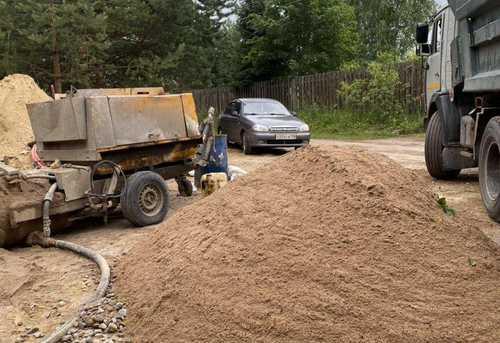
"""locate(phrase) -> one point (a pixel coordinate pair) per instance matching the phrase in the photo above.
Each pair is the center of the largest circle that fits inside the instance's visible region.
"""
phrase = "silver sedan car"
(254, 123)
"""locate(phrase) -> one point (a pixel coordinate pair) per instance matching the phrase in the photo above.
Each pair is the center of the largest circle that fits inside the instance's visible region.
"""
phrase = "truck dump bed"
(476, 50)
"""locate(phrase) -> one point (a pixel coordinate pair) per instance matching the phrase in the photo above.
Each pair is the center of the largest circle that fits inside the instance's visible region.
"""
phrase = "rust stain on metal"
(158, 142)
(178, 152)
(190, 115)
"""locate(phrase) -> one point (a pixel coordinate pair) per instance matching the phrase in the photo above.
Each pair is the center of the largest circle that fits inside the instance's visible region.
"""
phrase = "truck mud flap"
(450, 118)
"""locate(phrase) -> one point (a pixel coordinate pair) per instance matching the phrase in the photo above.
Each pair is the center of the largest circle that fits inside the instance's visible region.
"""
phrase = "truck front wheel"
(434, 145)
(489, 168)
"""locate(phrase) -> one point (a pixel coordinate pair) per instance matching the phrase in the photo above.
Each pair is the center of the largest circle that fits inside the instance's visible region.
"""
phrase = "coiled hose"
(48, 242)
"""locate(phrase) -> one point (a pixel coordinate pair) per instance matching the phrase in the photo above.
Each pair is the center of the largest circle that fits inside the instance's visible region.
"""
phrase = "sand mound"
(18, 194)
(15, 129)
(321, 246)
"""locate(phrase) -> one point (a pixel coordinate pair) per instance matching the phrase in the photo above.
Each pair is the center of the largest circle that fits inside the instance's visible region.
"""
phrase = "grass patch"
(341, 124)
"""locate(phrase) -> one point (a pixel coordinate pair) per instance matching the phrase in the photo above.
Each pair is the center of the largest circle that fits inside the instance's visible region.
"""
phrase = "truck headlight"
(260, 128)
(304, 128)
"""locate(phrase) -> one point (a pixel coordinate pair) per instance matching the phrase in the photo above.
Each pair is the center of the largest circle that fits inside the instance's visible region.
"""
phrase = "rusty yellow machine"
(100, 151)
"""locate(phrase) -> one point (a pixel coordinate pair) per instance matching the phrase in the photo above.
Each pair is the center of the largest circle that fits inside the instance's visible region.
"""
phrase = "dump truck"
(101, 151)
(461, 50)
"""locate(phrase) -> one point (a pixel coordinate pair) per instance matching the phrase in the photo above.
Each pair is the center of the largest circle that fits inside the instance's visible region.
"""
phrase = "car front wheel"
(247, 148)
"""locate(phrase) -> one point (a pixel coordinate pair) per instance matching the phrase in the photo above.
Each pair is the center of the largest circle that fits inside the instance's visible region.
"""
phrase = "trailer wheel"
(434, 145)
(489, 168)
(145, 200)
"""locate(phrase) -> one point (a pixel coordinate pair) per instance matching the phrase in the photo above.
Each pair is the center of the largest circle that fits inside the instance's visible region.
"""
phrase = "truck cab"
(460, 48)
(445, 157)
(438, 65)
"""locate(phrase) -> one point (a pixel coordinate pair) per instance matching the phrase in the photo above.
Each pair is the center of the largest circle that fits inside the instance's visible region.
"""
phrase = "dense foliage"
(184, 44)
(377, 93)
(370, 107)
(289, 37)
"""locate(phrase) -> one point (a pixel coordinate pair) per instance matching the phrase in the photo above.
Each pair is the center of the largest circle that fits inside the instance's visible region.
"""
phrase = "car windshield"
(265, 108)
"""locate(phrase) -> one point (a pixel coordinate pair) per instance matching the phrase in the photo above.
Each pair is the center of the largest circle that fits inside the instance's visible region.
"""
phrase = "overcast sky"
(441, 2)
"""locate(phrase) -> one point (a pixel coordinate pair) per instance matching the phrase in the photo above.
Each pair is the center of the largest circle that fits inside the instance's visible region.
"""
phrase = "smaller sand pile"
(18, 194)
(321, 246)
(15, 129)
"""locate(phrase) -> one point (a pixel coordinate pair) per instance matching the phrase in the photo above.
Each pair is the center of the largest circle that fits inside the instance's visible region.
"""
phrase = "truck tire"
(247, 148)
(489, 168)
(434, 145)
(145, 199)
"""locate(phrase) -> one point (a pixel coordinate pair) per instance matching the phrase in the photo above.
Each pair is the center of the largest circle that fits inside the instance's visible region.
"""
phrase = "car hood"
(269, 121)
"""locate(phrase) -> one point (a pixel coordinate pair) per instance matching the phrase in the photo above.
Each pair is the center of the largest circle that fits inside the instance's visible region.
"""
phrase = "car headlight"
(304, 128)
(260, 128)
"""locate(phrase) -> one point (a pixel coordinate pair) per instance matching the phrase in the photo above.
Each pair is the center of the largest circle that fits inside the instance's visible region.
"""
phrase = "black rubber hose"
(47, 201)
(47, 242)
(101, 289)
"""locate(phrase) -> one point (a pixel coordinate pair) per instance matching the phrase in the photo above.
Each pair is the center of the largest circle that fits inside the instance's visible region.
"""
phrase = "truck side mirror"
(235, 114)
(422, 33)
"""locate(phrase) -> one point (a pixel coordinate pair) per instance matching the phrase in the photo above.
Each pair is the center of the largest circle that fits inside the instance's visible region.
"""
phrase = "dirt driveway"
(42, 288)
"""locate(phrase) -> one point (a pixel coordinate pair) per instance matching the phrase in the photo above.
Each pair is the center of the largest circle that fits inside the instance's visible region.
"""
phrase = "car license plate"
(286, 136)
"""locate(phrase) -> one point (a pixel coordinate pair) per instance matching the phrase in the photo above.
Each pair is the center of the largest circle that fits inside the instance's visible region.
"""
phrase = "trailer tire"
(489, 168)
(434, 145)
(145, 200)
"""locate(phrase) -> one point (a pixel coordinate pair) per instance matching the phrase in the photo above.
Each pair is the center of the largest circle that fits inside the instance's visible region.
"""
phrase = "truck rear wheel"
(489, 168)
(434, 145)
(145, 200)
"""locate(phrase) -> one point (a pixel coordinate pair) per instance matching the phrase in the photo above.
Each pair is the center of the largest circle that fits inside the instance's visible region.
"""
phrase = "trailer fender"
(441, 105)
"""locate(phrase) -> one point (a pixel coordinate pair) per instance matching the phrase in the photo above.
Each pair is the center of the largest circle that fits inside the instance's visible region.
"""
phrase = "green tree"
(164, 42)
(220, 37)
(179, 44)
(389, 25)
(57, 42)
(289, 37)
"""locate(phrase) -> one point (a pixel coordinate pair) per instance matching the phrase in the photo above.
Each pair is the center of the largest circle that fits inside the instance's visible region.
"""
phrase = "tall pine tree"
(290, 37)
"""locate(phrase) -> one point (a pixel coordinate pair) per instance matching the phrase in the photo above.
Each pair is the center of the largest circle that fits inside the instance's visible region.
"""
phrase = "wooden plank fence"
(319, 90)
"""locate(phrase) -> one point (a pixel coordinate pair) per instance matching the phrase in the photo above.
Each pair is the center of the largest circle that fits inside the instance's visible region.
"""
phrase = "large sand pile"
(322, 246)
(15, 129)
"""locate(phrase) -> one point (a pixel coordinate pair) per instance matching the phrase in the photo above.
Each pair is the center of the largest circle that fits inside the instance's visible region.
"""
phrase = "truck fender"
(442, 105)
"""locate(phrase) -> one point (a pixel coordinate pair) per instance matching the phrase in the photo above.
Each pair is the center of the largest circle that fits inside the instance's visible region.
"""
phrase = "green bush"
(369, 108)
(375, 96)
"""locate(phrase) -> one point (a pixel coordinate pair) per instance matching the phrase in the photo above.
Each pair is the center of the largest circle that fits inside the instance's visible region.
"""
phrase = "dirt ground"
(46, 286)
